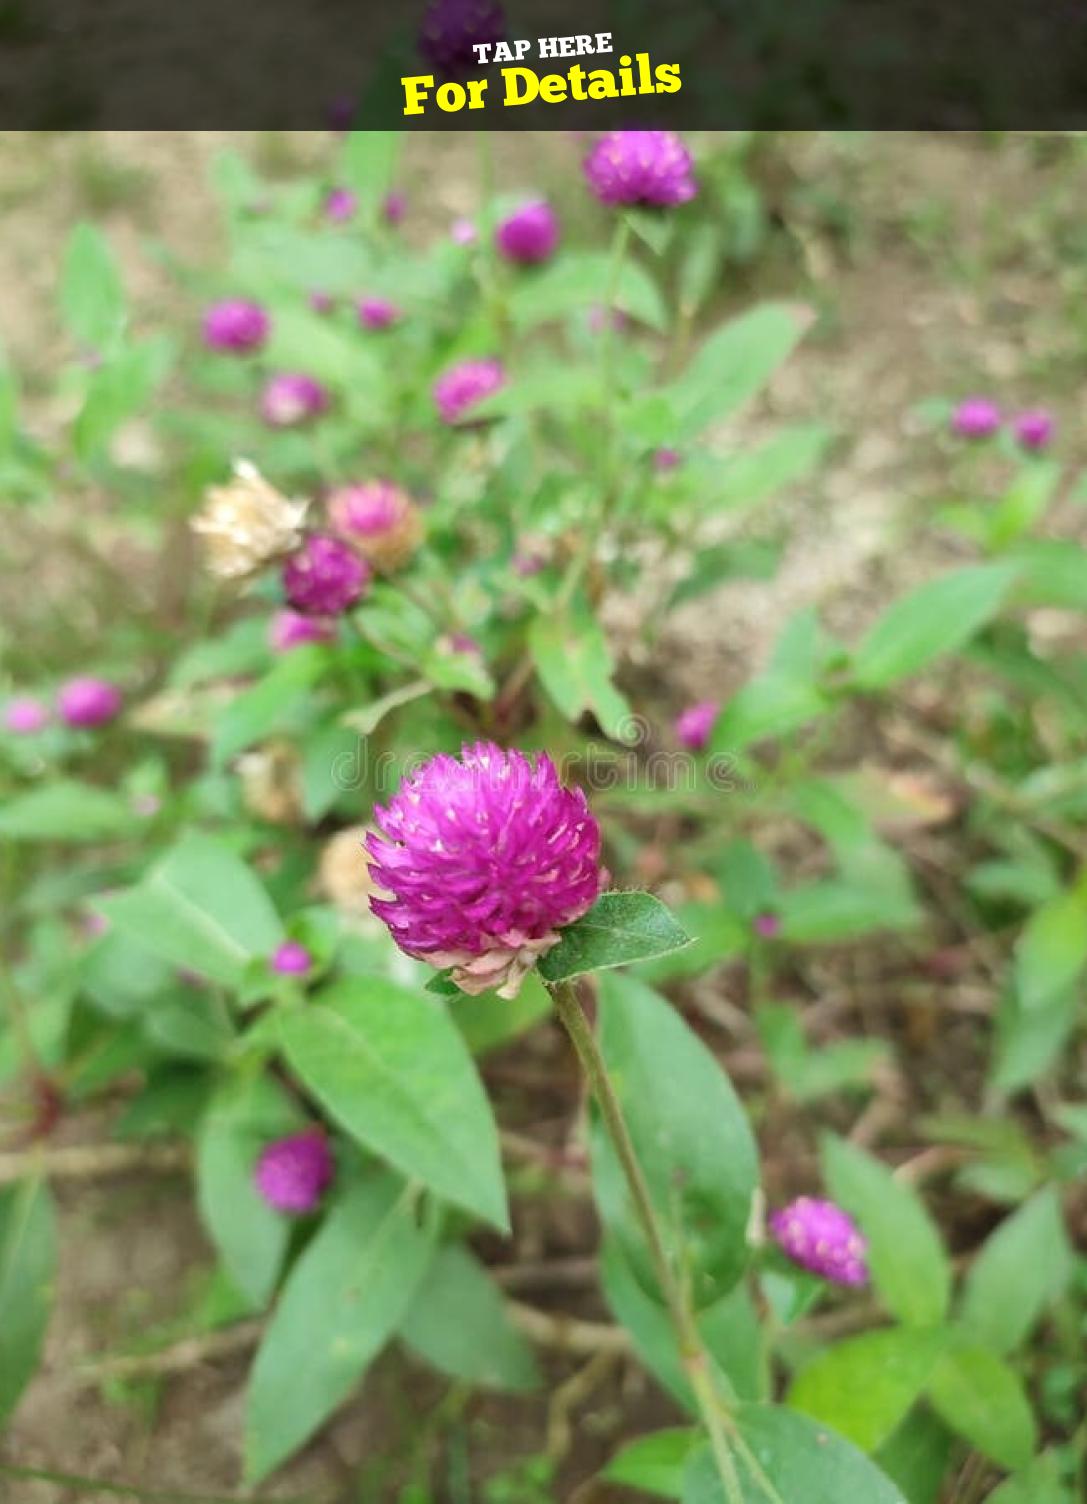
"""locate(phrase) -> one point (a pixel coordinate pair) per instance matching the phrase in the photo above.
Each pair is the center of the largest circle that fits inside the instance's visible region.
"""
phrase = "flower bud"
(88, 702)
(822, 1238)
(325, 577)
(462, 386)
(341, 205)
(1033, 430)
(293, 1173)
(25, 715)
(694, 726)
(291, 959)
(976, 418)
(290, 629)
(652, 168)
(292, 398)
(236, 326)
(377, 313)
(379, 520)
(529, 235)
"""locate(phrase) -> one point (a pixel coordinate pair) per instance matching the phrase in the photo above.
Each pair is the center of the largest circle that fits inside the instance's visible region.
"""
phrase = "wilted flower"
(291, 959)
(246, 524)
(463, 232)
(377, 313)
(340, 205)
(530, 234)
(694, 726)
(236, 325)
(325, 577)
(292, 1173)
(344, 873)
(271, 783)
(767, 926)
(484, 859)
(25, 715)
(641, 167)
(451, 28)
(291, 398)
(458, 389)
(394, 207)
(88, 702)
(1034, 429)
(823, 1239)
(976, 418)
(380, 521)
(290, 629)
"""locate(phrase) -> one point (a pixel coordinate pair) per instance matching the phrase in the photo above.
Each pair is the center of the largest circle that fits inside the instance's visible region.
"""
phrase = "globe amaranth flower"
(394, 207)
(694, 726)
(377, 313)
(292, 398)
(89, 702)
(529, 235)
(291, 959)
(976, 418)
(653, 168)
(236, 325)
(379, 520)
(341, 205)
(666, 459)
(823, 1239)
(246, 524)
(25, 715)
(462, 386)
(452, 28)
(463, 232)
(290, 629)
(292, 1173)
(1034, 429)
(325, 577)
(767, 925)
(481, 860)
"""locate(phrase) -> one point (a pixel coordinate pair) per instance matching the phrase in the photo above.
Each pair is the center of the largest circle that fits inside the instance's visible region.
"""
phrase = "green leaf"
(619, 929)
(804, 1462)
(345, 1297)
(771, 706)
(1052, 950)
(864, 1386)
(742, 560)
(1040, 1483)
(273, 703)
(458, 1323)
(691, 1136)
(368, 165)
(734, 364)
(28, 1262)
(487, 1020)
(118, 390)
(580, 280)
(1023, 1267)
(250, 1238)
(981, 1399)
(910, 1268)
(1053, 572)
(66, 811)
(917, 1455)
(655, 1463)
(1028, 1041)
(934, 619)
(391, 1067)
(834, 910)
(202, 909)
(91, 296)
(575, 665)
(753, 474)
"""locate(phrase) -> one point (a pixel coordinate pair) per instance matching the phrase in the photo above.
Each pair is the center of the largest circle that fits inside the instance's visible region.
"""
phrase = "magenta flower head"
(653, 168)
(377, 313)
(341, 205)
(463, 232)
(976, 418)
(88, 702)
(292, 398)
(291, 959)
(767, 926)
(290, 629)
(823, 1239)
(380, 521)
(293, 1173)
(1034, 429)
(457, 390)
(480, 861)
(236, 326)
(452, 28)
(529, 235)
(394, 207)
(24, 716)
(325, 577)
(694, 726)
(666, 459)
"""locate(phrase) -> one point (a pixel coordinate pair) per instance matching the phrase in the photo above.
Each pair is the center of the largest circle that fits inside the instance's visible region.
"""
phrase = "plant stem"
(691, 1347)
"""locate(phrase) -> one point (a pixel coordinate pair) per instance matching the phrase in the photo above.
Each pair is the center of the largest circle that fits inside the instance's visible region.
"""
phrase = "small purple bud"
(292, 398)
(666, 459)
(767, 926)
(88, 702)
(377, 313)
(694, 726)
(290, 629)
(321, 302)
(823, 1239)
(1034, 429)
(526, 564)
(463, 232)
(976, 418)
(293, 1173)
(458, 389)
(529, 235)
(598, 318)
(325, 577)
(341, 205)
(236, 325)
(25, 715)
(291, 959)
(395, 207)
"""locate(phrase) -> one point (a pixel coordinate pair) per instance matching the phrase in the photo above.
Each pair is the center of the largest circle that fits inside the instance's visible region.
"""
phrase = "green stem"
(691, 1347)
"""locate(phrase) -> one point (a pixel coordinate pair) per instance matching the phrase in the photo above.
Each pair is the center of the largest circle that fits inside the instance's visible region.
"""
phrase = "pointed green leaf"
(864, 1386)
(619, 929)
(28, 1261)
(1022, 1268)
(982, 1400)
(936, 618)
(458, 1323)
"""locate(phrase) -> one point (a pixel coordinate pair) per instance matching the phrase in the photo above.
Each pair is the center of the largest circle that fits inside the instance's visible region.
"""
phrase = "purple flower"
(88, 702)
(822, 1238)
(395, 207)
(767, 926)
(321, 302)
(292, 398)
(481, 861)
(380, 520)
(341, 205)
(641, 167)
(289, 629)
(325, 576)
(25, 715)
(463, 232)
(460, 387)
(462, 642)
(451, 28)
(976, 418)
(1034, 429)
(377, 313)
(236, 325)
(694, 726)
(291, 959)
(666, 459)
(293, 1172)
(529, 235)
